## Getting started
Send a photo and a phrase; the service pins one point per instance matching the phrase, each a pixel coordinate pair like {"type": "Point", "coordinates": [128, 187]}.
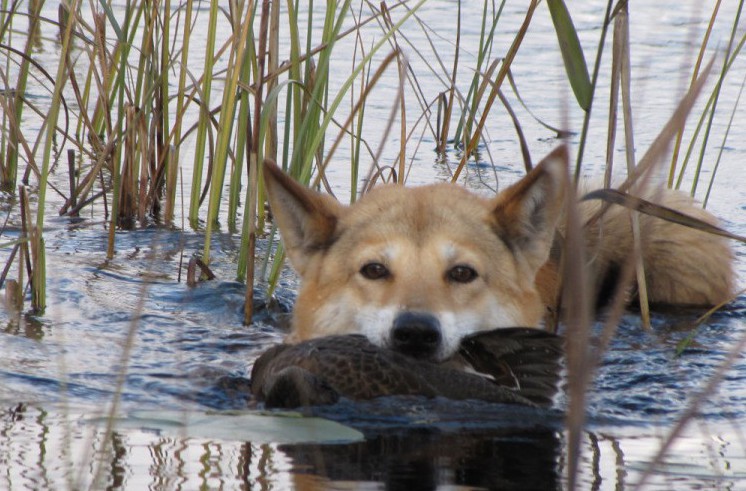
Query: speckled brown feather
{"type": "Point", "coordinates": [527, 360]}
{"type": "Point", "coordinates": [321, 370]}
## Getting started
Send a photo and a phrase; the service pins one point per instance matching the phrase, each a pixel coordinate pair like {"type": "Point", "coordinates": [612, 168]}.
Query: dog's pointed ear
{"type": "Point", "coordinates": [307, 220]}
{"type": "Point", "coordinates": [526, 214]}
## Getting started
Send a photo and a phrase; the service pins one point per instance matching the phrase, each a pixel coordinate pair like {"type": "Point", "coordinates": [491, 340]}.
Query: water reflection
{"type": "Point", "coordinates": [45, 449]}
{"type": "Point", "coordinates": [24, 325]}
{"type": "Point", "coordinates": [426, 459]}
{"type": "Point", "coordinates": [40, 448]}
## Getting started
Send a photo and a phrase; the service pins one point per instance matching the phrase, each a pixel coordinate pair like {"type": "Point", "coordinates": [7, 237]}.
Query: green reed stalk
{"type": "Point", "coordinates": [296, 110]}
{"type": "Point", "coordinates": [23, 247]}
{"type": "Point", "coordinates": [164, 98]}
{"type": "Point", "coordinates": [692, 143]}
{"type": "Point", "coordinates": [252, 132]}
{"type": "Point", "coordinates": [139, 118]}
{"type": "Point", "coordinates": [441, 144]}
{"type": "Point", "coordinates": [358, 108]}
{"type": "Point", "coordinates": [149, 122]}
{"type": "Point", "coordinates": [180, 105]}
{"type": "Point", "coordinates": [38, 291]}
{"type": "Point", "coordinates": [594, 81]}
{"type": "Point", "coordinates": [6, 25]}
{"type": "Point", "coordinates": [356, 128]}
{"type": "Point", "coordinates": [144, 76]}
{"type": "Point", "coordinates": [473, 97]}
{"type": "Point", "coordinates": [331, 110]}
{"type": "Point", "coordinates": [722, 145]}
{"type": "Point", "coordinates": [357, 140]}
{"type": "Point", "coordinates": [707, 109]}
{"type": "Point", "coordinates": [309, 82]}
{"type": "Point", "coordinates": [225, 128]}
{"type": "Point", "coordinates": [113, 68]}
{"type": "Point", "coordinates": [125, 35]}
{"type": "Point", "coordinates": [270, 106]}
{"type": "Point", "coordinates": [6, 20]}
{"type": "Point", "coordinates": [303, 163]}
{"type": "Point", "coordinates": [695, 74]}
{"type": "Point", "coordinates": [296, 98]}
{"type": "Point", "coordinates": [204, 115]}
{"type": "Point", "coordinates": [507, 61]}
{"type": "Point", "coordinates": [718, 87]}
{"type": "Point", "coordinates": [316, 82]}
{"type": "Point", "coordinates": [253, 191]}
{"type": "Point", "coordinates": [242, 132]}
{"type": "Point", "coordinates": [83, 121]}
{"type": "Point", "coordinates": [10, 166]}
{"type": "Point", "coordinates": [403, 67]}
{"type": "Point", "coordinates": [172, 173]}
{"type": "Point", "coordinates": [87, 126]}
{"type": "Point", "coordinates": [274, 274]}
{"type": "Point", "coordinates": [125, 192]}
{"type": "Point", "coordinates": [273, 63]}
{"type": "Point", "coordinates": [248, 242]}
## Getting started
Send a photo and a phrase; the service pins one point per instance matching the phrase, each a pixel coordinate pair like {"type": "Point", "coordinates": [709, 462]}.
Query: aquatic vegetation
{"type": "Point", "coordinates": [139, 120]}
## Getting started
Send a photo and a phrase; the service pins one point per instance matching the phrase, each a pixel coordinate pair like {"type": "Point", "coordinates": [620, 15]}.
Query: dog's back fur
{"type": "Point", "coordinates": [417, 269]}
{"type": "Point", "coordinates": [683, 266]}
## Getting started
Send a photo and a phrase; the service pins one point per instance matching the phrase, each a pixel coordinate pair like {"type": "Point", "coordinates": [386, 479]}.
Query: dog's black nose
{"type": "Point", "coordinates": [416, 334]}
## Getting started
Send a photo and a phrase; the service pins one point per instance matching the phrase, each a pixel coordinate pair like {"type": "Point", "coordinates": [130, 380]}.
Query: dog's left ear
{"type": "Point", "coordinates": [307, 220]}
{"type": "Point", "coordinates": [526, 214]}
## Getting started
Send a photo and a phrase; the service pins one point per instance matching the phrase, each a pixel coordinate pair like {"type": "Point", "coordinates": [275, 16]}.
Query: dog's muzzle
{"type": "Point", "coordinates": [416, 334]}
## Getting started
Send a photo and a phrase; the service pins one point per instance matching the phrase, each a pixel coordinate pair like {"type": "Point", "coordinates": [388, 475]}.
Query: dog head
{"type": "Point", "coordinates": [417, 269]}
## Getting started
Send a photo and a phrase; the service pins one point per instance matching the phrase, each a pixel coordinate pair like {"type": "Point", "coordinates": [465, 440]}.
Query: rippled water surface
{"type": "Point", "coordinates": [175, 359]}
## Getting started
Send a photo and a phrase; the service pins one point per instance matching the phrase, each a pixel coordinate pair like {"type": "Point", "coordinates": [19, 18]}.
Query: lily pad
{"type": "Point", "coordinates": [252, 426]}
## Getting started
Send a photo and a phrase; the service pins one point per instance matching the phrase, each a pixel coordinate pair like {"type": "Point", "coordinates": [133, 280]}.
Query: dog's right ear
{"type": "Point", "coordinates": [526, 214]}
{"type": "Point", "coordinates": [307, 220]}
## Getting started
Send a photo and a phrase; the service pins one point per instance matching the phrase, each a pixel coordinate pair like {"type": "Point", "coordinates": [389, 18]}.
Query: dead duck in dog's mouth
{"type": "Point", "coordinates": [514, 366]}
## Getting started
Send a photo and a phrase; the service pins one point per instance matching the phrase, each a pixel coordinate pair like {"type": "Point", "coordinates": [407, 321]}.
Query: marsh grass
{"type": "Point", "coordinates": [140, 102]}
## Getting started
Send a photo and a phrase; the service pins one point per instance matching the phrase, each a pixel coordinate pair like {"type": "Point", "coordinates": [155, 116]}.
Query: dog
{"type": "Point", "coordinates": [418, 269]}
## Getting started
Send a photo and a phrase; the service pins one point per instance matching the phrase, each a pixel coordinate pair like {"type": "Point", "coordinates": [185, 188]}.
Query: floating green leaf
{"type": "Point", "coordinates": [252, 426]}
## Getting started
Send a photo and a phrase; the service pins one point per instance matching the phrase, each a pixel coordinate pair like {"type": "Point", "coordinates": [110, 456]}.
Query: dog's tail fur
{"type": "Point", "coordinates": [683, 266]}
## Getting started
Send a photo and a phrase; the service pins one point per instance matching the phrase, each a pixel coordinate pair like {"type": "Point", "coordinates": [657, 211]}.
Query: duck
{"type": "Point", "coordinates": [519, 366]}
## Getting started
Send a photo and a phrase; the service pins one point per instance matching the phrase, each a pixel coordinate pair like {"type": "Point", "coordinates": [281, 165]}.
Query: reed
{"type": "Point", "coordinates": [729, 51]}
{"type": "Point", "coordinates": [705, 119]}
{"type": "Point", "coordinates": [501, 74]}
{"type": "Point", "coordinates": [38, 281]}
{"type": "Point", "coordinates": [204, 116]}
{"type": "Point", "coordinates": [141, 105]}
{"type": "Point", "coordinates": [227, 116]}
{"type": "Point", "coordinates": [9, 164]}
{"type": "Point", "coordinates": [135, 121]}
{"type": "Point", "coordinates": [123, 125]}
{"type": "Point", "coordinates": [242, 138]}
{"type": "Point", "coordinates": [186, 25]}
{"type": "Point", "coordinates": [473, 97]}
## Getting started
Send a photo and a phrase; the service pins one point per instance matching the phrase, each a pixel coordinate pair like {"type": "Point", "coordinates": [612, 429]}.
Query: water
{"type": "Point", "coordinates": [189, 354]}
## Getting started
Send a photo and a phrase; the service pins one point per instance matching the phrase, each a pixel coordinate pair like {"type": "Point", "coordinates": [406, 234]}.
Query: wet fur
{"type": "Point", "coordinates": [420, 233]}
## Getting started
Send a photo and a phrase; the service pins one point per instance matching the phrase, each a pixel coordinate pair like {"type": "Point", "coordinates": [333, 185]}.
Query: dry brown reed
{"type": "Point", "coordinates": [126, 146]}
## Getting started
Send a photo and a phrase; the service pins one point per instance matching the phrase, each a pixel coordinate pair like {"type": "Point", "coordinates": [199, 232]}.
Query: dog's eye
{"type": "Point", "coordinates": [375, 271]}
{"type": "Point", "coordinates": [462, 274]}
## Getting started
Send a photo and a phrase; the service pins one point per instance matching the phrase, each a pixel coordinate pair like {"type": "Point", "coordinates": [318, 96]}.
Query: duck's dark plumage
{"type": "Point", "coordinates": [519, 366]}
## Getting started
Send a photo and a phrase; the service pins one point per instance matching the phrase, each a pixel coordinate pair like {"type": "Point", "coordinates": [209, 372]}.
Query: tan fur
{"type": "Point", "coordinates": [421, 233]}
{"type": "Point", "coordinates": [683, 266]}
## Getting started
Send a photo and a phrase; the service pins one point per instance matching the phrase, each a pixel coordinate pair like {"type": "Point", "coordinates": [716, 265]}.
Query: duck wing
{"type": "Point", "coordinates": [528, 360]}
